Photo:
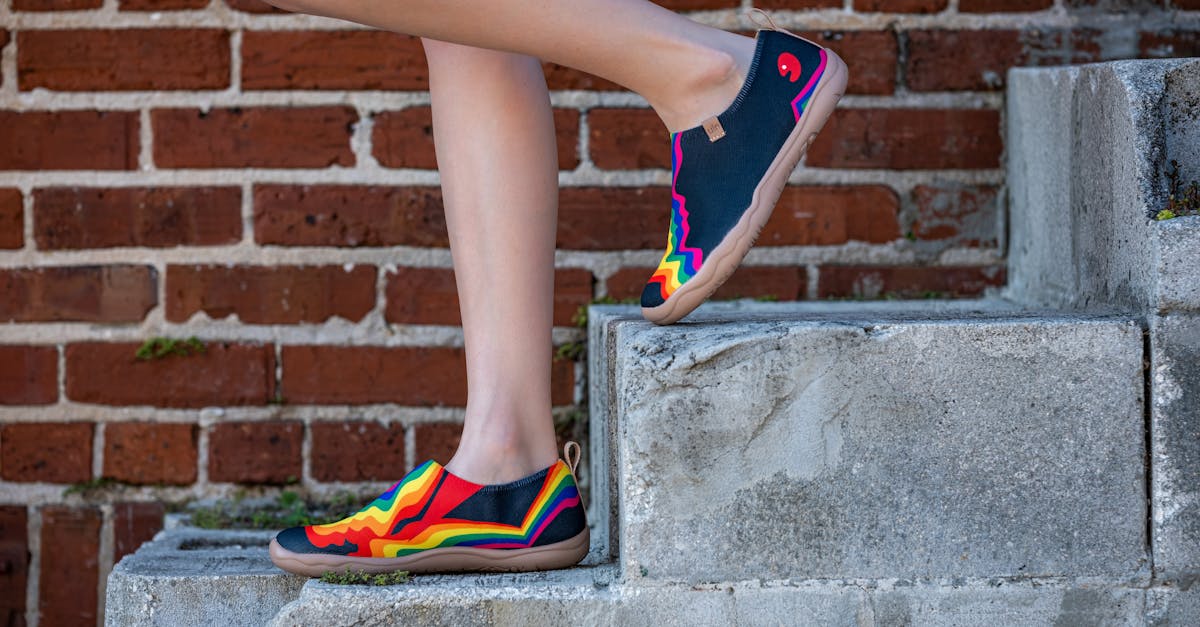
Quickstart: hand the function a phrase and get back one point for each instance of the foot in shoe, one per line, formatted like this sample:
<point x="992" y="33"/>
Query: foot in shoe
<point x="434" y="521"/>
<point x="728" y="172"/>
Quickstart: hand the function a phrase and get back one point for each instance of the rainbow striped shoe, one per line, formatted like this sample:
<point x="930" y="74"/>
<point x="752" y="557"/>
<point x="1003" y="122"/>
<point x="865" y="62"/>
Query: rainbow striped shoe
<point x="728" y="173"/>
<point x="433" y="521"/>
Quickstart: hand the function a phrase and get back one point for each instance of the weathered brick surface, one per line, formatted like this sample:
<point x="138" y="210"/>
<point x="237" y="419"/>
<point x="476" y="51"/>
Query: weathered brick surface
<point x="961" y="214"/>
<point x="51" y="140"/>
<point x="122" y="59"/>
<point x="613" y="218"/>
<point x="870" y="57"/>
<point x="162" y="5"/>
<point x="404" y="138"/>
<point x="149" y="453"/>
<point x="1003" y="6"/>
<point x="906" y="282"/>
<point x="349" y="215"/>
<point x="270" y="294"/>
<point x="622" y="139"/>
<point x="156" y="217"/>
<point x="55" y="5"/>
<point x="430" y="296"/>
<point x="48" y="452"/>
<point x="436" y="441"/>
<point x="262" y="137"/>
<point x="357" y="451"/>
<point x="255" y="452"/>
<point x="70" y="572"/>
<point x="338" y="59"/>
<point x="774" y="282"/>
<point x="831" y="215"/>
<point x="906" y="139"/>
<point x="12" y="219"/>
<point x="941" y="60"/>
<point x="1170" y="43"/>
<point x="252" y="6"/>
<point x="28" y="375"/>
<point x="419" y="376"/>
<point x="224" y="374"/>
<point x="900" y="6"/>
<point x="14" y="564"/>
<point x="118" y="293"/>
<point x="134" y="524"/>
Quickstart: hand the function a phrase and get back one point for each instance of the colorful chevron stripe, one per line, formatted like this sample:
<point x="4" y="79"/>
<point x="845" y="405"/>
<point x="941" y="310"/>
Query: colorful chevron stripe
<point x="680" y="262"/>
<point x="430" y="507"/>
<point x="801" y="99"/>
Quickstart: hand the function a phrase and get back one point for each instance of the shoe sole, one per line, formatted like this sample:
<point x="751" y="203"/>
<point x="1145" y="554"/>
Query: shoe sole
<point x="449" y="559"/>
<point x="728" y="255"/>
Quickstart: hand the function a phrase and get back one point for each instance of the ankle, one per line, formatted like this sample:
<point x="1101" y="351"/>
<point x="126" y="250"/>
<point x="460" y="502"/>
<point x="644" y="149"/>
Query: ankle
<point x="501" y="458"/>
<point x="715" y="75"/>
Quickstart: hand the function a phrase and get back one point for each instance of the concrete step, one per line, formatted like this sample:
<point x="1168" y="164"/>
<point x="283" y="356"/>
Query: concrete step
<point x="597" y="596"/>
<point x="854" y="440"/>
<point x="189" y="576"/>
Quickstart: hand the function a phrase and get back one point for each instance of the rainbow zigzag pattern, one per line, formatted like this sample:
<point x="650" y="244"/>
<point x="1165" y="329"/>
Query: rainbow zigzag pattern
<point x="410" y="517"/>
<point x="801" y="99"/>
<point x="681" y="262"/>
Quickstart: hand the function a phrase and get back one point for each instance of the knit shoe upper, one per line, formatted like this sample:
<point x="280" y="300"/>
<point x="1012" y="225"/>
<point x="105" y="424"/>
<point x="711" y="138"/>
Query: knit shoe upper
<point x="716" y="167"/>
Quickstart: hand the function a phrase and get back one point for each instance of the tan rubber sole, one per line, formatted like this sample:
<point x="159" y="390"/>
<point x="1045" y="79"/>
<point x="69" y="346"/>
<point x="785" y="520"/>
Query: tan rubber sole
<point x="449" y="559"/>
<point x="728" y="255"/>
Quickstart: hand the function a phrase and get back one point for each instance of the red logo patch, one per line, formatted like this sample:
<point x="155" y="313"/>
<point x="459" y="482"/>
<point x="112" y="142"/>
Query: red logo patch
<point x="789" y="66"/>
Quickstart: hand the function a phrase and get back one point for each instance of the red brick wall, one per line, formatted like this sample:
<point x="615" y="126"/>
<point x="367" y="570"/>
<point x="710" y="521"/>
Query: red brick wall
<point x="266" y="182"/>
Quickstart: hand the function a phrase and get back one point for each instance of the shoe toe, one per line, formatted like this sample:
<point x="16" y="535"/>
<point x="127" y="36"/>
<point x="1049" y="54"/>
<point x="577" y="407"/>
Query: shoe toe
<point x="652" y="295"/>
<point x="295" y="540"/>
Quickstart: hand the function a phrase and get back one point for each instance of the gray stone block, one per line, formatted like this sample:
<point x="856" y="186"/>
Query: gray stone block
<point x="1169" y="606"/>
<point x="1175" y="445"/>
<point x="1088" y="148"/>
<point x="835" y="443"/>
<point x="195" y="577"/>
<point x="591" y="596"/>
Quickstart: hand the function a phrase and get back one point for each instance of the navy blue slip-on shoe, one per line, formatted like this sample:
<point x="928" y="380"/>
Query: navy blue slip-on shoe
<point x="728" y="173"/>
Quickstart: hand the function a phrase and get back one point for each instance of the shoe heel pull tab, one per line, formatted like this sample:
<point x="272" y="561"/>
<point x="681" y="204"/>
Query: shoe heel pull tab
<point x="571" y="453"/>
<point x="755" y="12"/>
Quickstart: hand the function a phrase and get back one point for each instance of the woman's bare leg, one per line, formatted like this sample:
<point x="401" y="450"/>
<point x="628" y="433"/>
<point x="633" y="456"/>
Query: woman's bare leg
<point x="494" y="136"/>
<point x="685" y="70"/>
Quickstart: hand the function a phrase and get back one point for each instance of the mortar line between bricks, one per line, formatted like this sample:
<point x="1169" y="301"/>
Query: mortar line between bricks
<point x="86" y="412"/>
<point x="235" y="61"/>
<point x="202" y="481"/>
<point x="410" y="447"/>
<point x="104" y="558"/>
<point x="146" y="137"/>
<point x="32" y="587"/>
<point x="98" y="435"/>
<point x="306" y="447"/>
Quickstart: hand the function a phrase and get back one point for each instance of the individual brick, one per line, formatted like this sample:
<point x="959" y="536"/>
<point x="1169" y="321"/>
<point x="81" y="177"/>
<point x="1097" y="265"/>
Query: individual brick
<point x="262" y="137"/>
<point x="163" y="5"/>
<point x="356" y="375"/>
<point x="14" y="563"/>
<point x="117" y="293"/>
<point x="436" y="440"/>
<point x="430" y="296"/>
<point x="788" y="5"/>
<point x="333" y="59"/>
<point x="59" y="452"/>
<point x="831" y="215"/>
<point x="958" y="214"/>
<point x="148" y="453"/>
<point x="357" y="451"/>
<point x="123" y="59"/>
<point x="28" y="375"/>
<point x="940" y="60"/>
<point x="625" y="139"/>
<point x="870" y="56"/>
<point x="55" y="5"/>
<point x="783" y="283"/>
<point x="12" y="218"/>
<point x="1170" y="42"/>
<point x="270" y="294"/>
<point x="70" y="218"/>
<point x="613" y="218"/>
<point x="907" y="139"/>
<point x="51" y="140"/>
<point x="253" y="6"/>
<point x="224" y="374"/>
<point x="70" y="565"/>
<point x="404" y="138"/>
<point x="1003" y="6"/>
<point x="900" y="6"/>
<point x="349" y="215"/>
<point x="255" y="452"/>
<point x="906" y="282"/>
<point x="134" y="524"/>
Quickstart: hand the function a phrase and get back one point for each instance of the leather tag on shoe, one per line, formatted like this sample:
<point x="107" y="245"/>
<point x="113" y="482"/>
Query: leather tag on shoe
<point x="713" y="127"/>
